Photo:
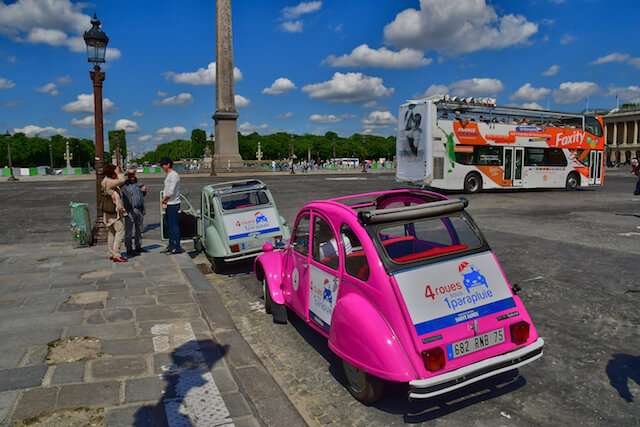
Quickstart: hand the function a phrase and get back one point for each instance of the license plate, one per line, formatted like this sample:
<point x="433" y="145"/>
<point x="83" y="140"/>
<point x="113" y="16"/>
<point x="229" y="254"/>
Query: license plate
<point x="479" y="342"/>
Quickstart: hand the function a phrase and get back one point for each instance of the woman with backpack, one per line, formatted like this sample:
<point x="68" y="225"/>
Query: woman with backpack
<point x="113" y="211"/>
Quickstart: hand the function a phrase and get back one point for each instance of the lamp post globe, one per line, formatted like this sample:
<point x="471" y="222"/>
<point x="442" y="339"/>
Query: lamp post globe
<point x="97" y="41"/>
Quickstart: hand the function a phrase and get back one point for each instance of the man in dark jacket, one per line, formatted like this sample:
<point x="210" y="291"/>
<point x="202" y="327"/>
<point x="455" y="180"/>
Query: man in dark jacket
<point x="133" y="198"/>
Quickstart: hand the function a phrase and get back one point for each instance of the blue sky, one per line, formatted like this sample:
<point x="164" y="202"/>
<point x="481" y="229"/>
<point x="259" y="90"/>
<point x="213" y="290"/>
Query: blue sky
<point x="309" y="67"/>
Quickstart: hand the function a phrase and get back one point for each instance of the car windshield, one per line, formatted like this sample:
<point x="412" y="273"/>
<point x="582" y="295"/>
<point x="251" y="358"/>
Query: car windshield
<point x="243" y="200"/>
<point x="428" y="238"/>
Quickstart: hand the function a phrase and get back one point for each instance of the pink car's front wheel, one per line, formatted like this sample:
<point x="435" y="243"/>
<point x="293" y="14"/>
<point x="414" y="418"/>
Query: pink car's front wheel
<point x="364" y="387"/>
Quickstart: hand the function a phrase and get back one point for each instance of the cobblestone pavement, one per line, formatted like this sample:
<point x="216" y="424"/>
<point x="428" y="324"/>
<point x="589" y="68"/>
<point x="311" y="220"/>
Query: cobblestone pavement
<point x="167" y="353"/>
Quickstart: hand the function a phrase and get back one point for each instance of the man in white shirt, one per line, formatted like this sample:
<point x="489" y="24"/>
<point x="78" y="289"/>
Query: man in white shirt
<point x="171" y="205"/>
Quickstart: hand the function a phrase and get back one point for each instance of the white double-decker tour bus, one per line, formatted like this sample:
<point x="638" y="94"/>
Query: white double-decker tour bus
<point x="471" y="144"/>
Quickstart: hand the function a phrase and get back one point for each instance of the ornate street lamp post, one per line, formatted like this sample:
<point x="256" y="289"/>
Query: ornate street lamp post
<point x="213" y="160"/>
<point x="12" y="177"/>
<point x="96" y="41"/>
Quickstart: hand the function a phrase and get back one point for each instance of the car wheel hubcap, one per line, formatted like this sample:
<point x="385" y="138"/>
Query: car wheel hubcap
<point x="356" y="378"/>
<point x="473" y="184"/>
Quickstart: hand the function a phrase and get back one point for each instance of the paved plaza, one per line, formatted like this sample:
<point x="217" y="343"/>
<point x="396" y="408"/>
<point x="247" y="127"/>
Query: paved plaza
<point x="164" y="334"/>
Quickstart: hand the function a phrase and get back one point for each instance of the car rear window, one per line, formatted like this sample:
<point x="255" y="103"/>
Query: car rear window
<point x="243" y="200"/>
<point x="423" y="239"/>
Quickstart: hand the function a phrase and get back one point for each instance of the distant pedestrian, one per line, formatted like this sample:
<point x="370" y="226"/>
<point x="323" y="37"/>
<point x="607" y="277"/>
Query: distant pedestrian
<point x="133" y="199"/>
<point x="171" y="205"/>
<point x="113" y="211"/>
<point x="635" y="169"/>
<point x="273" y="165"/>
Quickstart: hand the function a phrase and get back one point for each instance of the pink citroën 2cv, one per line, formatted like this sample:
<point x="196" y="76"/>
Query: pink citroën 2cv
<point x="406" y="289"/>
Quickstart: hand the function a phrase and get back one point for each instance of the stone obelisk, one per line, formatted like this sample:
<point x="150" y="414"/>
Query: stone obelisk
<point x="226" y="152"/>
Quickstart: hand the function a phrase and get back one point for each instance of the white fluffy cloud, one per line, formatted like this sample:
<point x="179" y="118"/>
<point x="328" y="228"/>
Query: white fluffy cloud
<point x="364" y="56"/>
<point x="64" y="80"/>
<point x="328" y="118"/>
<point x="171" y="131"/>
<point x="49" y="89"/>
<point x="241" y="101"/>
<point x="145" y="138"/>
<point x="137" y="114"/>
<point x="527" y="92"/>
<point x="617" y="57"/>
<point x="247" y="128"/>
<point x="200" y="77"/>
<point x="285" y="116"/>
<point x="127" y="125"/>
<point x="279" y="86"/>
<point x="84" y="104"/>
<point x="476" y="87"/>
<point x="290" y="15"/>
<point x="6" y="83"/>
<point x="470" y="87"/>
<point x="179" y="99"/>
<point x="532" y="106"/>
<point x="626" y="94"/>
<point x="303" y="8"/>
<point x="572" y="92"/>
<point x="551" y="71"/>
<point x="85" y="122"/>
<point x="612" y="57"/>
<point x="52" y="22"/>
<point x="454" y="27"/>
<point x="292" y="26"/>
<point x="378" y="119"/>
<point x="567" y="39"/>
<point x="34" y="130"/>
<point x="436" y="90"/>
<point x="349" y="87"/>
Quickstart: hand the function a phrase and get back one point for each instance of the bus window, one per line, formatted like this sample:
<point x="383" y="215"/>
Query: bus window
<point x="464" y="158"/>
<point x="592" y="125"/>
<point x="491" y="156"/>
<point x="545" y="157"/>
<point x="534" y="157"/>
<point x="555" y="157"/>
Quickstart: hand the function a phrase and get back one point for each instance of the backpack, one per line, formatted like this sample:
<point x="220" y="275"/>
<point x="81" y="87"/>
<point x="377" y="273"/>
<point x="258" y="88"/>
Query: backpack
<point x="106" y="204"/>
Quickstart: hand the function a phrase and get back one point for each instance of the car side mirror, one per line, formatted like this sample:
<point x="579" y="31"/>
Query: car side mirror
<point x="267" y="247"/>
<point x="516" y="289"/>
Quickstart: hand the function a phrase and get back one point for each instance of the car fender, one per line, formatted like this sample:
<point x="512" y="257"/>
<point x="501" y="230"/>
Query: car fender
<point x="214" y="245"/>
<point x="360" y="335"/>
<point x="268" y="266"/>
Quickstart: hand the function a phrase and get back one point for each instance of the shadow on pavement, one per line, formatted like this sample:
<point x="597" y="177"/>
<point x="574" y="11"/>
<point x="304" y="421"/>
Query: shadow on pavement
<point x="189" y="384"/>
<point x="396" y="394"/>
<point x="151" y="227"/>
<point x="621" y="369"/>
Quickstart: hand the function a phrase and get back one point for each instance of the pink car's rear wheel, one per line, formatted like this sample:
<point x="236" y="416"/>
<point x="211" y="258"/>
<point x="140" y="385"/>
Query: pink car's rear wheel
<point x="363" y="386"/>
<point x="266" y="296"/>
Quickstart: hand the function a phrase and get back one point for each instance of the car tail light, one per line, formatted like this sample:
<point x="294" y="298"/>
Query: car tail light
<point x="235" y="248"/>
<point x="519" y="332"/>
<point x="434" y="359"/>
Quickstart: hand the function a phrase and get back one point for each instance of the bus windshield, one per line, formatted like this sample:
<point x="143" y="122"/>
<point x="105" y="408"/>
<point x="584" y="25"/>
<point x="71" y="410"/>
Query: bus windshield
<point x="428" y="238"/>
<point x="243" y="200"/>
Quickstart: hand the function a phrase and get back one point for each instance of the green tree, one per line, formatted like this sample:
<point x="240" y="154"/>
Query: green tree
<point x="198" y="142"/>
<point x="118" y="138"/>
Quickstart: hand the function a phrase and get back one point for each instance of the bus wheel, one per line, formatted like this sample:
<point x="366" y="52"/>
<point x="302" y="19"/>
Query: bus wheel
<point x="573" y="181"/>
<point x="364" y="387"/>
<point x="472" y="183"/>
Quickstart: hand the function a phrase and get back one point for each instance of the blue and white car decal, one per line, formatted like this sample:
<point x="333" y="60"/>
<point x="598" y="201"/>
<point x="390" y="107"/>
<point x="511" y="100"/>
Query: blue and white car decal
<point x="445" y="294"/>
<point x="251" y="223"/>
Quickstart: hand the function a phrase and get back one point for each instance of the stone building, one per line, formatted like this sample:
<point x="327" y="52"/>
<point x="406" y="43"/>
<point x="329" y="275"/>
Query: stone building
<point x="622" y="134"/>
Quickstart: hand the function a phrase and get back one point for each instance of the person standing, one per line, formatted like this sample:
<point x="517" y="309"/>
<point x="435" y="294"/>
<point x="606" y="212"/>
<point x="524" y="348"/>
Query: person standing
<point x="171" y="205"/>
<point x="635" y="169"/>
<point x="133" y="194"/>
<point x="113" y="211"/>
